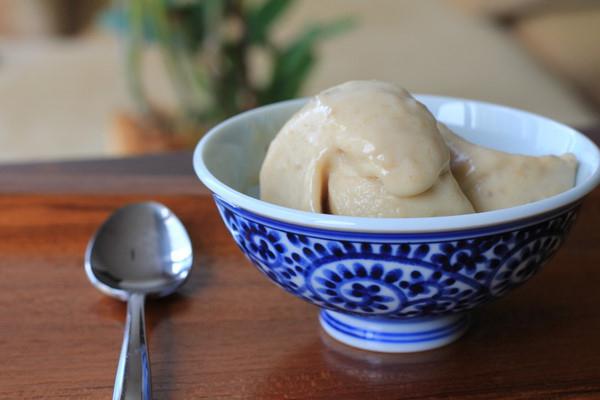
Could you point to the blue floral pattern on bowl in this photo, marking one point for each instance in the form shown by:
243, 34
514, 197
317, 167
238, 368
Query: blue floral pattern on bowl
397, 276
379, 289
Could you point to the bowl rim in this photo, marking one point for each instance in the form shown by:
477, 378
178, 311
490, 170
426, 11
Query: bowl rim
390, 225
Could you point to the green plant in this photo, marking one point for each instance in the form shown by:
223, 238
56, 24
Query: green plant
206, 46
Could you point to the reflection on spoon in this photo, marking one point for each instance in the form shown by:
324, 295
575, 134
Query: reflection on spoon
142, 249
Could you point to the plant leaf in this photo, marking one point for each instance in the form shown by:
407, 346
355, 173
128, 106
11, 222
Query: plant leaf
291, 87
262, 18
294, 63
321, 31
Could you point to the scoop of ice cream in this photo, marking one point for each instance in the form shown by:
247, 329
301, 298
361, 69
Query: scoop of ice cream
355, 195
363, 148
493, 179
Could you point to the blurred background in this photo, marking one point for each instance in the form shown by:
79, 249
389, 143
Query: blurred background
93, 78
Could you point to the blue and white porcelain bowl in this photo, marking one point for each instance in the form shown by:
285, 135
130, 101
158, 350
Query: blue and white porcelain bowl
396, 284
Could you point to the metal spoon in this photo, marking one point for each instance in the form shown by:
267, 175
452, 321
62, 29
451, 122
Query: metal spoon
142, 249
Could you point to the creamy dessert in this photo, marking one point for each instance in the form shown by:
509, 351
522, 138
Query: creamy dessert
363, 148
493, 179
368, 148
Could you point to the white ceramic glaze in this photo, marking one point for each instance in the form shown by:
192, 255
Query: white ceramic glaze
396, 284
394, 336
228, 159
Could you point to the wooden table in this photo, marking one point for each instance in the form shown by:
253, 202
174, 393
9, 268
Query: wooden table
231, 334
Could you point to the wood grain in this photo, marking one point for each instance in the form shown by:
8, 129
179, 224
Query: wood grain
170, 173
231, 334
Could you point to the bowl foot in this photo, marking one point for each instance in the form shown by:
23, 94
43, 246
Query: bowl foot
392, 335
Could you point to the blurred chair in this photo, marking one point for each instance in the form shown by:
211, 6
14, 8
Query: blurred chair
564, 35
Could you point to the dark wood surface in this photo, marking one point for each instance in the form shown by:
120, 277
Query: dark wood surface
231, 334
155, 174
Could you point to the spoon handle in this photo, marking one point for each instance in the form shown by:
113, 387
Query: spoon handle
133, 380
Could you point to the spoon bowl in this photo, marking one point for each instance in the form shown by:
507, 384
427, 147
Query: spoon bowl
142, 249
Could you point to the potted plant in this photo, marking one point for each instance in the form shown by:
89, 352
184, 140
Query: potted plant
206, 47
